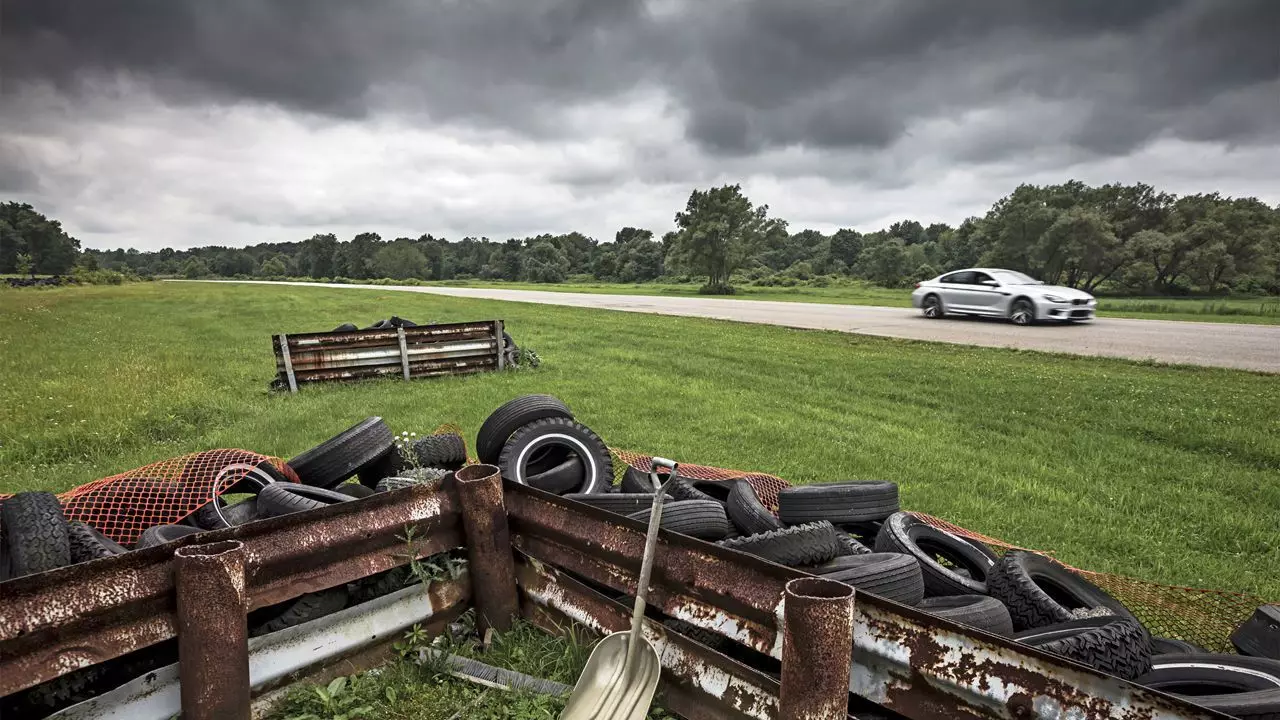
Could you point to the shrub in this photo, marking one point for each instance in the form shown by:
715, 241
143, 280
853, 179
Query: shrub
716, 289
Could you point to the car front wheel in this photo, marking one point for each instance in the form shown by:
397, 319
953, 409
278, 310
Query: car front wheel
932, 307
1023, 313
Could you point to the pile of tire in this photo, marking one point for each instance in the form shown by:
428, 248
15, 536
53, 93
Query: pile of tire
857, 533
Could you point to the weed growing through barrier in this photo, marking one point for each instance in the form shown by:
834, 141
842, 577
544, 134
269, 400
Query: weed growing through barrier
404, 447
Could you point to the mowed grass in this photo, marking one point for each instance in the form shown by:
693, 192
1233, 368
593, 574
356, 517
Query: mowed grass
1259, 311
1170, 474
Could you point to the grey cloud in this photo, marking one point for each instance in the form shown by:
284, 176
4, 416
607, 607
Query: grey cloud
16, 174
749, 74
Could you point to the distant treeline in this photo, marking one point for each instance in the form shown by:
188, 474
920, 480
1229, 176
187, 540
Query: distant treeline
1128, 239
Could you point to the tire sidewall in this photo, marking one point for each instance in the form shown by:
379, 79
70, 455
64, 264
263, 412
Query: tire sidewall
592, 470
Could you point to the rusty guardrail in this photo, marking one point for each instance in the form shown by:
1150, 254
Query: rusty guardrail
58, 621
412, 352
903, 660
559, 556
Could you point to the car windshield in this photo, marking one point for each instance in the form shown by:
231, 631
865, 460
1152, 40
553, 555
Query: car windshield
1010, 277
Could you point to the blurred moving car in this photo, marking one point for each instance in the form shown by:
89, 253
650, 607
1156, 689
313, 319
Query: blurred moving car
993, 292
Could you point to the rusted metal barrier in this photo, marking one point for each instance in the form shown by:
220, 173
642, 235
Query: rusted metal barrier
58, 621
903, 660
412, 352
817, 627
213, 638
543, 554
488, 545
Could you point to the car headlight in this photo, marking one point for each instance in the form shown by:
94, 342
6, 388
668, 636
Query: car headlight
1055, 298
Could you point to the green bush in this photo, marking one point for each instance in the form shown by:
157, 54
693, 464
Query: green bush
717, 289
84, 276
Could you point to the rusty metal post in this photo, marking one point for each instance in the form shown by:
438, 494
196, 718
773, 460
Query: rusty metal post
817, 644
484, 521
213, 640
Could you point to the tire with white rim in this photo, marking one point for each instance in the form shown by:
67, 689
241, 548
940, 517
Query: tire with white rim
551, 440
1023, 312
1246, 687
932, 307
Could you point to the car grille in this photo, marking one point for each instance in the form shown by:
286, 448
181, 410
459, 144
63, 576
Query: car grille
1079, 313
1079, 302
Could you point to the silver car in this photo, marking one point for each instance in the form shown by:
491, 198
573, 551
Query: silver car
1001, 293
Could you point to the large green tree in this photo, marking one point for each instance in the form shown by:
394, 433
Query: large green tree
718, 230
399, 260
24, 231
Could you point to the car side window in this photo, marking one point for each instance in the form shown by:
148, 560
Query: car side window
979, 278
959, 278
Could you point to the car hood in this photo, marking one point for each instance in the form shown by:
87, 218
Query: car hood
1060, 291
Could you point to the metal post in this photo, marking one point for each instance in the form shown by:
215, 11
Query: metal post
404, 352
817, 642
213, 640
484, 521
288, 363
502, 343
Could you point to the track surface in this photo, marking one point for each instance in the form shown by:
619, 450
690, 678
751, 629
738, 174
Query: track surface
1229, 345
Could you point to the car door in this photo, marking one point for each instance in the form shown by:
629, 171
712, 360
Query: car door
984, 294
952, 289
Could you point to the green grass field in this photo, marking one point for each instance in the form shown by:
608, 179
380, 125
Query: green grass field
1263, 311
1170, 474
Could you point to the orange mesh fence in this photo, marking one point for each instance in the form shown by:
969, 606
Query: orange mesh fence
1203, 617
165, 492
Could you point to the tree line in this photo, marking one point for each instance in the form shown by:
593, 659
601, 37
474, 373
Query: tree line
1121, 239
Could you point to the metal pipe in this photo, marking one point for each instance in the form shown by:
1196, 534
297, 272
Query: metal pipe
213, 637
484, 522
817, 641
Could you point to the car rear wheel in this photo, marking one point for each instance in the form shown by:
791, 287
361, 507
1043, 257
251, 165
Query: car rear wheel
932, 307
1023, 312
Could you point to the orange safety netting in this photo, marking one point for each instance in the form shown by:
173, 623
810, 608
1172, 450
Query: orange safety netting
1203, 617
165, 492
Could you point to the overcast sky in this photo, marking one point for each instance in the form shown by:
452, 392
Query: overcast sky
152, 123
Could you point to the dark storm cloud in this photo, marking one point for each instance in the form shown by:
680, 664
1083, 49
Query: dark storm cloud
747, 75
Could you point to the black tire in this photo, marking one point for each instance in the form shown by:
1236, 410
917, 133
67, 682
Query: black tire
86, 543
1022, 312
904, 533
931, 307
620, 503
283, 498
560, 437
704, 519
636, 481
1245, 687
849, 545
511, 416
161, 534
355, 490
809, 544
747, 513
346, 454
865, 532
561, 479
840, 503
245, 511
892, 576
1041, 592
447, 450
1170, 646
410, 478
1118, 646
393, 463
304, 609
384, 583
979, 611
1259, 636
511, 350
35, 533
345, 327
206, 516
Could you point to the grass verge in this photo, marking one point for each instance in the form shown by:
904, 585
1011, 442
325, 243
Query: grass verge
1170, 474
